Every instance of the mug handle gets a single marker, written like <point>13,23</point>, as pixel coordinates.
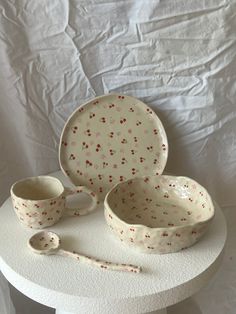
<point>81,211</point>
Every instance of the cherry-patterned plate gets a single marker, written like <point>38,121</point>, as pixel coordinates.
<point>110,139</point>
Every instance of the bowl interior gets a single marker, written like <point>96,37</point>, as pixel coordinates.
<point>161,201</point>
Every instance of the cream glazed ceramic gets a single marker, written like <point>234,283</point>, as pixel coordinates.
<point>48,243</point>
<point>110,139</point>
<point>40,201</point>
<point>159,214</point>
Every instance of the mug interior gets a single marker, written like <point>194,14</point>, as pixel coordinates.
<point>38,188</point>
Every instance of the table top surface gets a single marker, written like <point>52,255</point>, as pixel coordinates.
<point>58,281</point>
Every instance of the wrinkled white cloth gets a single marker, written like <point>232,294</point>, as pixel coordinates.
<point>177,56</point>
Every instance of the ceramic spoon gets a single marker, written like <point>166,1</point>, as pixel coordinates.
<point>47,242</point>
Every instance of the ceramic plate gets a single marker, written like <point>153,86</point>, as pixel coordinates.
<point>110,139</point>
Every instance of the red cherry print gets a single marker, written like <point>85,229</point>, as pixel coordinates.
<point>170,224</point>
<point>147,236</point>
<point>100,176</point>
<point>84,145</point>
<point>88,132</point>
<point>155,131</point>
<point>150,247</point>
<point>194,232</point>
<point>190,199</point>
<point>150,148</point>
<point>166,195</point>
<point>138,123</point>
<point>189,213</point>
<point>72,157</point>
<point>177,235</point>
<point>132,229</point>
<point>112,152</point>
<point>153,217</point>
<point>88,163</point>
<point>135,139</point>
<point>157,187</point>
<point>122,120</point>
<point>103,120</point>
<point>104,164</point>
<point>146,179</point>
<point>81,109</point>
<point>92,194</point>
<point>44,213</point>
<point>186,186</point>
<point>111,134</point>
<point>131,109</point>
<point>132,152</point>
<point>124,141</point>
<point>74,129</point>
<point>142,159</point>
<point>148,200</point>
<point>183,219</point>
<point>163,147</point>
<point>168,243</point>
<point>203,205</point>
<point>100,190</point>
<point>149,110</point>
<point>155,161</point>
<point>98,148</point>
<point>96,102</point>
<point>36,205</point>
<point>110,178</point>
<point>165,213</point>
<point>53,203</point>
<point>134,171</point>
<point>123,161</point>
<point>64,143</point>
<point>91,181</point>
<point>165,234</point>
<point>110,216</point>
<point>79,172</point>
<point>111,106</point>
<point>138,216</point>
<point>172,185</point>
<point>201,193</point>
<point>91,115</point>
<point>121,97</point>
<point>121,178</point>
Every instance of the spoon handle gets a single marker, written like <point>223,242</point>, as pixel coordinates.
<point>100,263</point>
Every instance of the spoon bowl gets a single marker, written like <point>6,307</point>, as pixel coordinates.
<point>44,242</point>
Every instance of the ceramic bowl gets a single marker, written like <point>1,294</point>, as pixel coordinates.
<point>159,214</point>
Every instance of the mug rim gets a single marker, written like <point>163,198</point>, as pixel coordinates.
<point>43,177</point>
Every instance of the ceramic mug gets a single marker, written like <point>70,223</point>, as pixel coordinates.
<point>40,201</point>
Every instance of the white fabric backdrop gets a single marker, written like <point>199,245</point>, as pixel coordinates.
<point>177,56</point>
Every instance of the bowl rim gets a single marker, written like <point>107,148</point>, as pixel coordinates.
<point>107,206</point>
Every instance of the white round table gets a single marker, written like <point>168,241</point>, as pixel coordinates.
<point>71,287</point>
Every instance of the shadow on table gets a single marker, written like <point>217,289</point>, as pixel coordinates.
<point>188,306</point>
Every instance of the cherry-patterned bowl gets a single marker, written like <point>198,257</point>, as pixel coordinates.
<point>159,214</point>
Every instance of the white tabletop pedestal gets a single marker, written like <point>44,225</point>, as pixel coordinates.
<point>71,287</point>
